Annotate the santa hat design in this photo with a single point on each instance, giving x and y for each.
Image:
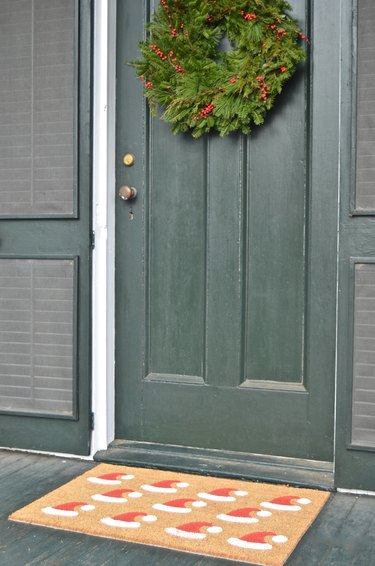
(223, 494)
(179, 505)
(116, 496)
(193, 531)
(257, 541)
(70, 509)
(129, 520)
(164, 486)
(243, 515)
(114, 478)
(285, 503)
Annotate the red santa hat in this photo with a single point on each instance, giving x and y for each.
(69, 509)
(193, 531)
(243, 515)
(178, 505)
(130, 520)
(223, 494)
(165, 486)
(286, 503)
(113, 478)
(116, 496)
(257, 541)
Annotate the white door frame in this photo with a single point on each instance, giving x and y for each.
(104, 194)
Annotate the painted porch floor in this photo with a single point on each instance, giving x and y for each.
(344, 533)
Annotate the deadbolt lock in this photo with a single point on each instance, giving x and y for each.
(128, 159)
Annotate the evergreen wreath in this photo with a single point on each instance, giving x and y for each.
(202, 87)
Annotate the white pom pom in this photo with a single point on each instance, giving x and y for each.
(199, 504)
(279, 538)
(127, 477)
(304, 501)
(182, 484)
(264, 514)
(241, 493)
(134, 494)
(149, 518)
(87, 507)
(214, 530)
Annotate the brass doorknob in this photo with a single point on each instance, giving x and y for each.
(127, 193)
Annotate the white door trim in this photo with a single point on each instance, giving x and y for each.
(103, 311)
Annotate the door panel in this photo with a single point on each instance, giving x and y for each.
(37, 335)
(225, 269)
(44, 224)
(37, 115)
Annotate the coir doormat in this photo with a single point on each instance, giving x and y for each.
(245, 521)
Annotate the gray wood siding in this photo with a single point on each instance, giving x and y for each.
(363, 408)
(37, 92)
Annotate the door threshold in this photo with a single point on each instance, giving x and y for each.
(275, 469)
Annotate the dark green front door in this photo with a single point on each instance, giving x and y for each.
(45, 225)
(226, 267)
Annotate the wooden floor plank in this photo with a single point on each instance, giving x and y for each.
(322, 535)
(353, 536)
(366, 552)
(343, 534)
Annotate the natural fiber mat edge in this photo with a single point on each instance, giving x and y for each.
(237, 520)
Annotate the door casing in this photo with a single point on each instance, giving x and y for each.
(331, 111)
(154, 455)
